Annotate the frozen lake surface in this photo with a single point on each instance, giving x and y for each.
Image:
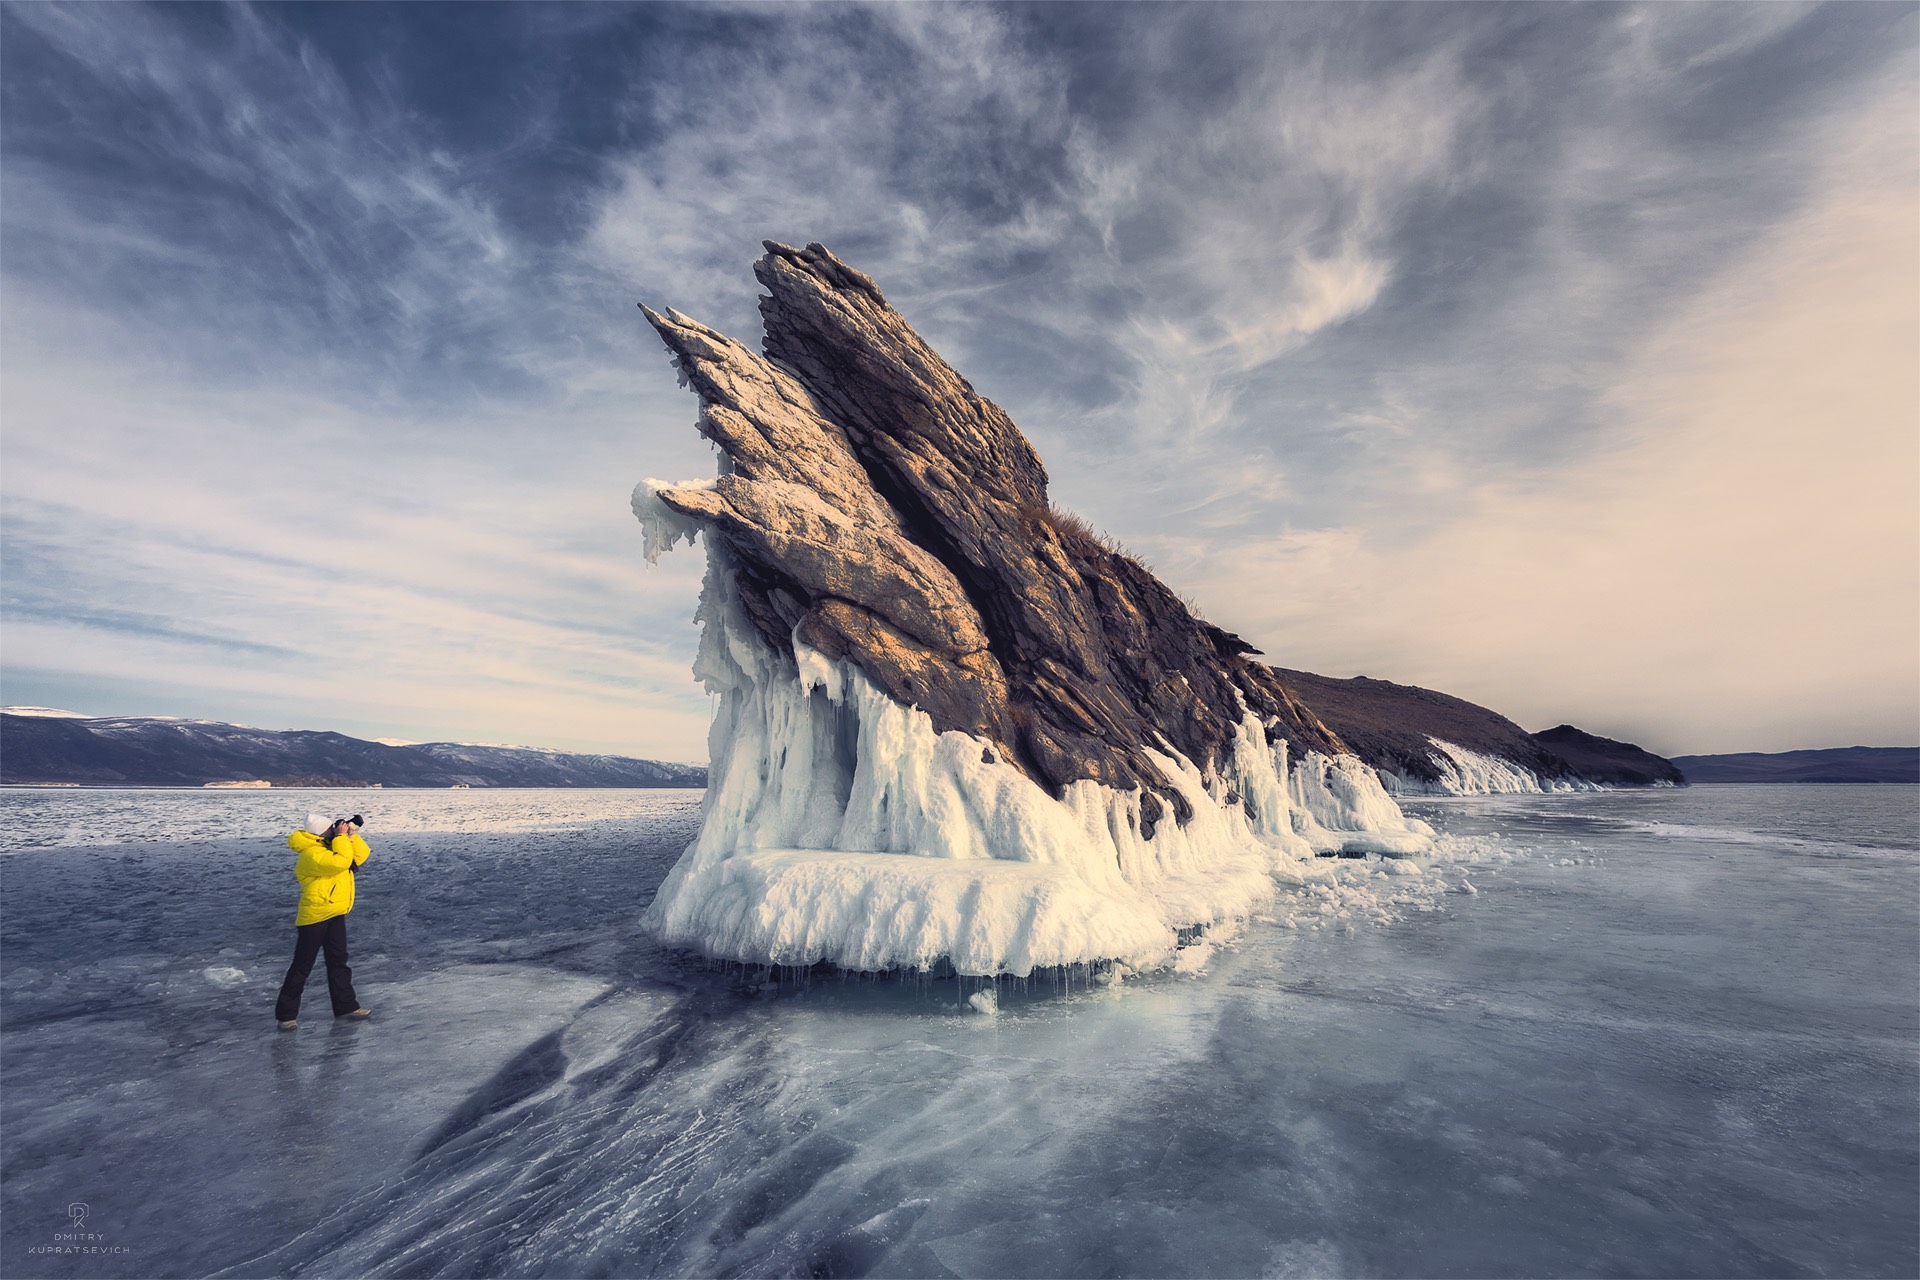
(1663, 1033)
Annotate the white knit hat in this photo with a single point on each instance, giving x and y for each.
(316, 824)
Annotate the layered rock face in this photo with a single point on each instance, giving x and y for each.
(880, 511)
(956, 727)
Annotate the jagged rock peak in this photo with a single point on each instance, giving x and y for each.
(875, 509)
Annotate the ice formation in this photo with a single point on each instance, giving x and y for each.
(840, 826)
(953, 727)
(1473, 773)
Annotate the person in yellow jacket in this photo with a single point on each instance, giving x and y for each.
(328, 855)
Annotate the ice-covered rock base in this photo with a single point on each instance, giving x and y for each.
(1472, 773)
(841, 827)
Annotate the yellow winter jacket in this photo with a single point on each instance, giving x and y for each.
(325, 875)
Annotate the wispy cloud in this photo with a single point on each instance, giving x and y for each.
(1332, 311)
(307, 400)
(1737, 567)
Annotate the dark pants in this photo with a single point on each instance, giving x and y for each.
(330, 935)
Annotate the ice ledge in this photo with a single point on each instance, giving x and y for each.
(873, 911)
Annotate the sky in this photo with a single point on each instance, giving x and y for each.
(1565, 358)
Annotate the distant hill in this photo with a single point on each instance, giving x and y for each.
(1834, 764)
(1391, 726)
(1605, 760)
(40, 745)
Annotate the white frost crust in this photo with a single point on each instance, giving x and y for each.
(839, 826)
(660, 525)
(1471, 773)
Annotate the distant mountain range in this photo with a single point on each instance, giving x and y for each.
(40, 744)
(1834, 764)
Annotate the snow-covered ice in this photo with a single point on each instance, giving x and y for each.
(1672, 1033)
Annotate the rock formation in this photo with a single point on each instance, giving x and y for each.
(880, 511)
(931, 677)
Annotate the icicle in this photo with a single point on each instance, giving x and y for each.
(840, 827)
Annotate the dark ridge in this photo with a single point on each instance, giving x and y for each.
(1388, 725)
(143, 752)
(1598, 759)
(1832, 764)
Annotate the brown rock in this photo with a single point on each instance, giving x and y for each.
(875, 506)
(880, 509)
